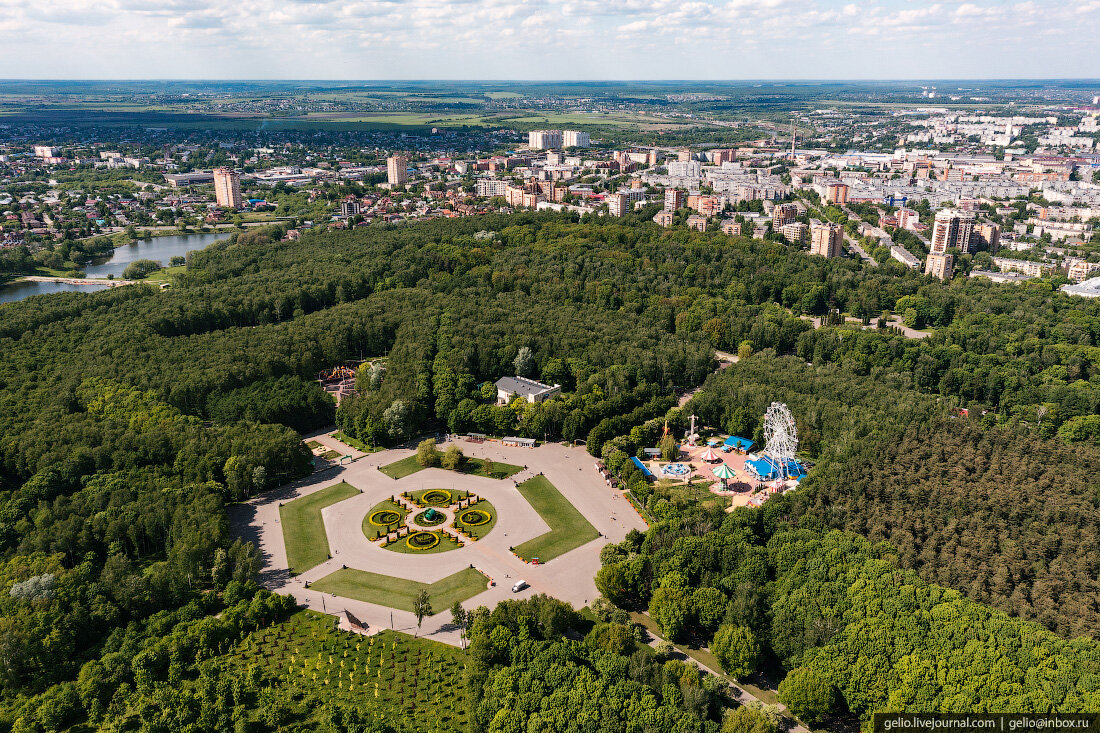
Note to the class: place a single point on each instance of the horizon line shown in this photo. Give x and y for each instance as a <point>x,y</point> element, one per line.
<point>558,81</point>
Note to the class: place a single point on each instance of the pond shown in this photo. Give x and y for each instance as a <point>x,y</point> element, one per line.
<point>161,249</point>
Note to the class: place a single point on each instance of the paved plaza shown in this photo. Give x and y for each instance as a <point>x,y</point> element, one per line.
<point>569,577</point>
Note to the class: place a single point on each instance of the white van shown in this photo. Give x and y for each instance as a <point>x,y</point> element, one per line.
<point>520,585</point>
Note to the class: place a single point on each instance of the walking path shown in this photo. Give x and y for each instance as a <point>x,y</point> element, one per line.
<point>740,694</point>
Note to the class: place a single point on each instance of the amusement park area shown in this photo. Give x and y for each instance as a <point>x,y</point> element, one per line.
<point>729,466</point>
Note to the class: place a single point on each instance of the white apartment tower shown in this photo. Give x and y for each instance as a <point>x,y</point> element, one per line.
<point>575,139</point>
<point>397,170</point>
<point>544,139</point>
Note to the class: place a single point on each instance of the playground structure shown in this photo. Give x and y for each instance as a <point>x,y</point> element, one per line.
<point>677,469</point>
<point>339,381</point>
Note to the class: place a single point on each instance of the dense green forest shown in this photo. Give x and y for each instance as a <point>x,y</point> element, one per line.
<point>856,634</point>
<point>130,417</point>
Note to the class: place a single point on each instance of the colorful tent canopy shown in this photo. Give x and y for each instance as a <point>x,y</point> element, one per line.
<point>767,468</point>
<point>710,456</point>
<point>738,443</point>
<point>723,471</point>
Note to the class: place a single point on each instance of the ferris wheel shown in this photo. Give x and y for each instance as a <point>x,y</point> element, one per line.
<point>780,435</point>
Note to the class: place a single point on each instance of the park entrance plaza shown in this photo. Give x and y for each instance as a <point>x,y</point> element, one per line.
<point>548,521</point>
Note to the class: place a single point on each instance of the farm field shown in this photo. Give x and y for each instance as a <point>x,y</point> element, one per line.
<point>411,684</point>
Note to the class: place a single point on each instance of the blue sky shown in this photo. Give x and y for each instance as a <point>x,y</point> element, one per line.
<point>549,39</point>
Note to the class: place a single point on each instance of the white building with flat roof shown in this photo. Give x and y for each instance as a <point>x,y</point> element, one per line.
<point>508,388</point>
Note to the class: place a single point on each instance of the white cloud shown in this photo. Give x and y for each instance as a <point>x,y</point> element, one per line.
<point>549,38</point>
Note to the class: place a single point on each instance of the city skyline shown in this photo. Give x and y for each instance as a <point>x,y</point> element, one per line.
<point>614,39</point>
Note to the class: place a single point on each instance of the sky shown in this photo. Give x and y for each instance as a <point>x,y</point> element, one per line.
<point>549,39</point>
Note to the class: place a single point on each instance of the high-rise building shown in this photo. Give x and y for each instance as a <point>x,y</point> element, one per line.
<point>952,228</point>
<point>544,139</point>
<point>683,156</point>
<point>45,151</point>
<point>988,236</point>
<point>397,170</point>
<point>674,199</point>
<point>939,265</point>
<point>227,188</point>
<point>826,239</point>
<point>575,139</point>
<point>685,168</point>
<point>836,193</point>
<point>783,214</point>
<point>617,204</point>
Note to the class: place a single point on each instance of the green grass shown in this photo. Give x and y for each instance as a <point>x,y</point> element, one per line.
<point>478,530</point>
<point>568,527</point>
<point>457,495</point>
<point>474,466</point>
<point>313,445</point>
<point>445,544</point>
<point>166,274</point>
<point>330,454</point>
<point>354,442</point>
<point>411,683</point>
<point>369,529</point>
<point>400,469</point>
<point>399,593</point>
<point>303,529</point>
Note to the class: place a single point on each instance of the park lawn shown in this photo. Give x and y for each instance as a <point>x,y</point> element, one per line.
<point>446,544</point>
<point>354,442</point>
<point>369,529</point>
<point>165,274</point>
<point>474,466</point>
<point>313,445</point>
<point>400,593</point>
<point>417,497</point>
<point>400,469</point>
<point>478,530</point>
<point>568,527</point>
<point>303,528</point>
<point>411,683</point>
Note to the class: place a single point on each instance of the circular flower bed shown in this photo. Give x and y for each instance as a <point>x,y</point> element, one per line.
<point>422,540</point>
<point>429,518</point>
<point>385,518</point>
<point>436,497</point>
<point>474,517</point>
